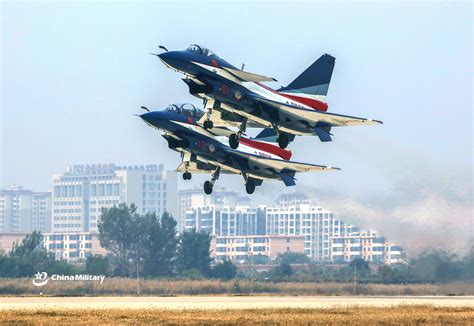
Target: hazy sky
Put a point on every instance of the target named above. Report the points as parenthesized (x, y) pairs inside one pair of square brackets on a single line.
[(73, 75)]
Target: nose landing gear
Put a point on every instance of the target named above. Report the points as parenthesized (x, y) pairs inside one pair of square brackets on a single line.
[(208, 185)]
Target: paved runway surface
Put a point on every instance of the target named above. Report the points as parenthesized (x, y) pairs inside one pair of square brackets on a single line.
[(227, 302)]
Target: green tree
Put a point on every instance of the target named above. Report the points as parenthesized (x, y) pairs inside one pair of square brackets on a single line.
[(393, 274), (358, 268), (436, 265), (31, 243), (28, 257), (260, 259), (225, 270), (282, 270), (158, 244), (293, 258), (97, 265), (118, 233), (319, 272), (468, 265), (193, 251)]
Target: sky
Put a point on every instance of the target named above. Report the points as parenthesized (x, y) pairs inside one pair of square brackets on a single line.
[(74, 74)]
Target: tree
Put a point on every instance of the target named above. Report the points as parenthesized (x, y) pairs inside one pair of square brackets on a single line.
[(282, 270), (319, 272), (436, 265), (29, 257), (468, 265), (158, 244), (293, 258), (97, 265), (360, 266), (118, 233), (193, 251), (224, 270), (260, 259), (29, 244)]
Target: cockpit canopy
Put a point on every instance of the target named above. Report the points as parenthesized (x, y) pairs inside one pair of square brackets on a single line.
[(200, 50), (187, 109)]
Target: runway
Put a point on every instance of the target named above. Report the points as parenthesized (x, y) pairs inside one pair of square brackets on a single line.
[(229, 302)]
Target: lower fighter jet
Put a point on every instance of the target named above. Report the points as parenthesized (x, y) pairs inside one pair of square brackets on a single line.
[(208, 151)]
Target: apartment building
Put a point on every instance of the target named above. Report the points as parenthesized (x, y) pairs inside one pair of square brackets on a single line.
[(243, 248), (73, 247), (24, 211), (82, 191)]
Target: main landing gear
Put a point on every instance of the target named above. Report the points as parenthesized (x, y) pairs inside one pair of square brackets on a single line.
[(250, 187), (208, 185), (249, 184), (234, 139), (187, 176), (283, 140)]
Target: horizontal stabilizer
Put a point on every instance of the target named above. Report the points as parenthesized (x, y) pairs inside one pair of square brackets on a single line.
[(287, 176), (323, 135)]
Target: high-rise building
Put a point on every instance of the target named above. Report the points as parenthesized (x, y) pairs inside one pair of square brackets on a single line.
[(316, 224), (82, 191), (195, 197), (324, 237), (24, 211), (227, 220)]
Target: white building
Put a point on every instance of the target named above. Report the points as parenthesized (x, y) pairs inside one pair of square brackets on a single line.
[(242, 248), (316, 224), (82, 191), (227, 220), (367, 245), (73, 247), (188, 199), (326, 238), (24, 211)]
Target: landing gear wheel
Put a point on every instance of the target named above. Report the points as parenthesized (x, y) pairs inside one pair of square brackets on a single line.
[(187, 176), (233, 141), (208, 124), (250, 187), (208, 187), (283, 140)]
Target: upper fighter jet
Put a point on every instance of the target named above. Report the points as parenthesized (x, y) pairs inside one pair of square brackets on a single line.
[(207, 150), (239, 97)]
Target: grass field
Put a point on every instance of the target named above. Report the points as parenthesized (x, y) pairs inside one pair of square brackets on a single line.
[(157, 287), (351, 315)]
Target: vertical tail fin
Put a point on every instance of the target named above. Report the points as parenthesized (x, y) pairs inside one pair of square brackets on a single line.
[(313, 83)]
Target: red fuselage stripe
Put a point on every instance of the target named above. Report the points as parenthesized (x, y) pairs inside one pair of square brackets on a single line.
[(315, 104), (269, 148)]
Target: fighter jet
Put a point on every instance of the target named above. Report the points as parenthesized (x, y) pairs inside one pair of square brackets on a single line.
[(208, 151), (240, 97)]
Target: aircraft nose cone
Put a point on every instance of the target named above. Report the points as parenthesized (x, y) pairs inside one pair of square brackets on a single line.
[(147, 117), (171, 58)]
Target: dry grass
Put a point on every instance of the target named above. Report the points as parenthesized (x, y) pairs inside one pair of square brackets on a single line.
[(406, 315), (124, 286)]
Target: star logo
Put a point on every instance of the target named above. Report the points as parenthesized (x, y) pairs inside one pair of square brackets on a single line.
[(41, 278)]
